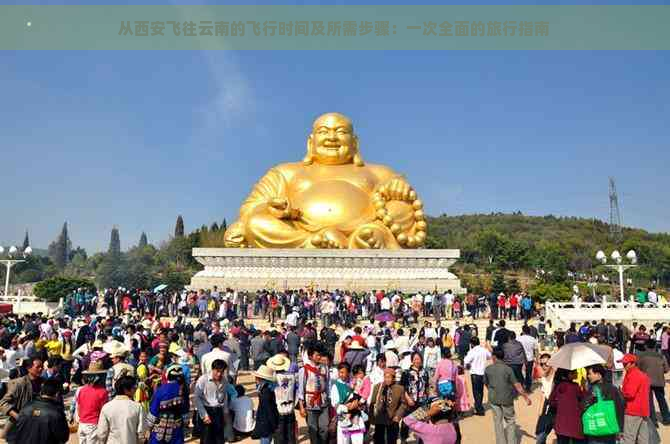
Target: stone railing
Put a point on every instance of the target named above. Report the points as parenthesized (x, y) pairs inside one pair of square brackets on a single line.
[(31, 304), (562, 314)]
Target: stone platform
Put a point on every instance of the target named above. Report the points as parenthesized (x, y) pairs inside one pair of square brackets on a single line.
[(360, 270)]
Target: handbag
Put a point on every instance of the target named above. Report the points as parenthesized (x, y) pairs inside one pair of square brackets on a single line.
[(545, 422), (600, 418)]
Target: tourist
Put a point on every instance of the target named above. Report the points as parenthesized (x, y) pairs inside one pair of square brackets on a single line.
[(635, 390), (416, 382), (503, 386), (242, 409), (121, 419), (169, 406), (286, 396), (431, 355), (89, 400), (655, 366), (566, 398), (515, 356), (211, 401), (267, 416), (432, 425), (43, 420), (217, 353), (476, 361), (20, 392), (530, 346), (601, 389), (313, 386), (117, 353), (347, 404), (387, 407), (545, 423)]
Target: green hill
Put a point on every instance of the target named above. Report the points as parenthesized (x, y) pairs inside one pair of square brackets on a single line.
[(517, 242)]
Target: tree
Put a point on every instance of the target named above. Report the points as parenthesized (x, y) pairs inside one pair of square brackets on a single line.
[(179, 227), (26, 241), (491, 244), (53, 289), (143, 240), (498, 284), (214, 227), (59, 250), (112, 271), (513, 286), (114, 242), (224, 225)]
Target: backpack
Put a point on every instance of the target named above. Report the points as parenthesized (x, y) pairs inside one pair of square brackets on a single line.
[(447, 341)]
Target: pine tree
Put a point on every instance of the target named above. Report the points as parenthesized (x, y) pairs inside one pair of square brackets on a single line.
[(26, 241), (115, 243), (143, 240), (179, 227), (214, 227), (59, 249), (224, 225), (498, 285)]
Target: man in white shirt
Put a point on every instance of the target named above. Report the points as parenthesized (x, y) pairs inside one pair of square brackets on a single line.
[(385, 303), (448, 302), (292, 318), (217, 353), (476, 360), (529, 344)]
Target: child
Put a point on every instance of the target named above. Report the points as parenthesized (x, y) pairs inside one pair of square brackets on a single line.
[(348, 404), (243, 413)]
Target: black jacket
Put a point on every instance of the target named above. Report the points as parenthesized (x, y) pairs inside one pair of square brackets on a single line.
[(42, 421), (267, 416)]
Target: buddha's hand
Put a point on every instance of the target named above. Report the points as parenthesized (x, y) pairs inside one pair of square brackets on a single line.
[(397, 189), (281, 208)]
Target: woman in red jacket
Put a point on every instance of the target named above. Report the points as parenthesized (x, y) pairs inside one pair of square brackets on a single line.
[(566, 398)]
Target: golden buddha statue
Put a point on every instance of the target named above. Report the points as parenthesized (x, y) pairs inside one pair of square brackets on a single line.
[(332, 199)]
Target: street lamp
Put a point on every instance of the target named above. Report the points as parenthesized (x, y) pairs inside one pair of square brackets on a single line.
[(618, 265), (9, 263)]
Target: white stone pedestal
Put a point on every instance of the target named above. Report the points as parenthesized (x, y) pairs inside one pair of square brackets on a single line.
[(360, 270)]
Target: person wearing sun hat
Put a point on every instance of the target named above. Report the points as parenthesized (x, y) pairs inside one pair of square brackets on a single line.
[(89, 400), (267, 415), (117, 353), (285, 395), (169, 409)]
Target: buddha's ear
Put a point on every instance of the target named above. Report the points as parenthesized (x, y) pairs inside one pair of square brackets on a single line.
[(309, 158), (358, 159)]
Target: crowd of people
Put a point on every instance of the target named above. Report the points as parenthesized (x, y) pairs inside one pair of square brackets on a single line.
[(127, 367)]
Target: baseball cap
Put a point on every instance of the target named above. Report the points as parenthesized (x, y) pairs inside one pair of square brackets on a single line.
[(628, 358)]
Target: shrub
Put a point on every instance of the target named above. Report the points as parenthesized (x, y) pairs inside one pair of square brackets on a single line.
[(51, 290), (544, 291)]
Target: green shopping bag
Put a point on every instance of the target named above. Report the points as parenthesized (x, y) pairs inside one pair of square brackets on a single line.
[(600, 418)]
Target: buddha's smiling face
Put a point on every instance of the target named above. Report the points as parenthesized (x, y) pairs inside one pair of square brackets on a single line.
[(333, 140)]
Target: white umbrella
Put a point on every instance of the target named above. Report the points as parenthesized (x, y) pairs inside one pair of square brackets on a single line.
[(579, 355)]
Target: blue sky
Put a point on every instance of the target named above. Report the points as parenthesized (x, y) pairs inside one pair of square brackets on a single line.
[(134, 138)]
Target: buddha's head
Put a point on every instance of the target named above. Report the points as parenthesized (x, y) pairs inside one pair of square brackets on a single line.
[(332, 141)]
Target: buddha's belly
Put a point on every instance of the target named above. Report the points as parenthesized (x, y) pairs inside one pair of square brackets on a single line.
[(334, 203)]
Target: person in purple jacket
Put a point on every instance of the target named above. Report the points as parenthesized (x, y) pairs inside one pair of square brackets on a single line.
[(434, 425)]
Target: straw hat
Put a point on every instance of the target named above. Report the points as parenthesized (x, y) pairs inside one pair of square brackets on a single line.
[(355, 345), (95, 368), (146, 324), (175, 349), (97, 344), (390, 345), (264, 372), (115, 349), (279, 363)]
